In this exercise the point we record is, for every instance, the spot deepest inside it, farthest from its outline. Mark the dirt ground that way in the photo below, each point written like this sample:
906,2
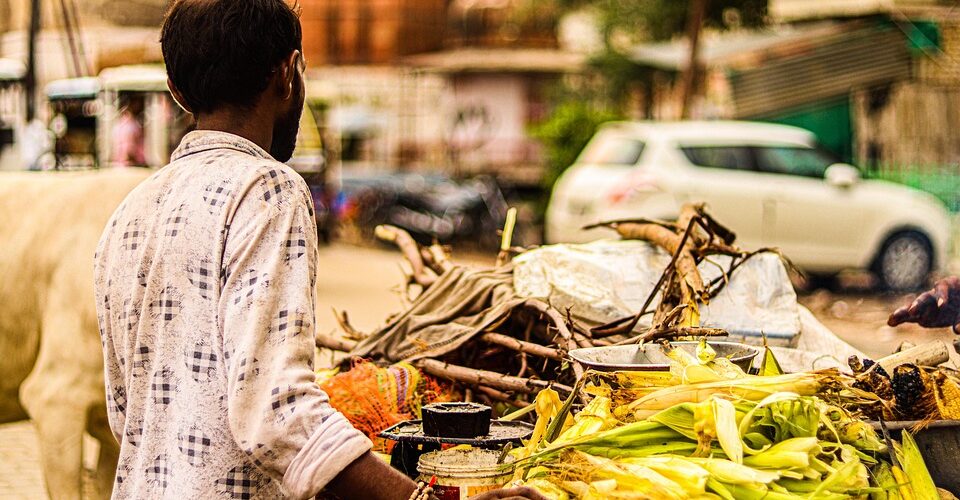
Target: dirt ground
860,318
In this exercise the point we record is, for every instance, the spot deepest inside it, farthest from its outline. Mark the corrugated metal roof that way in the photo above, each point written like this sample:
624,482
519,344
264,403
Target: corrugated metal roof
826,68
719,49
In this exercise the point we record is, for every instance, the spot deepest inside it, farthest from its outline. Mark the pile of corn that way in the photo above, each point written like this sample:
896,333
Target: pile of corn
707,430
912,392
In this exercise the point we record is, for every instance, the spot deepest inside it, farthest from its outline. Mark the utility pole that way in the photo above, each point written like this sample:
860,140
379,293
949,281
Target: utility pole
698,10
30,79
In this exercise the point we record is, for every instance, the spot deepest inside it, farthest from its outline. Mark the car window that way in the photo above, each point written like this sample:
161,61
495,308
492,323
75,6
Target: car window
792,160
612,150
729,157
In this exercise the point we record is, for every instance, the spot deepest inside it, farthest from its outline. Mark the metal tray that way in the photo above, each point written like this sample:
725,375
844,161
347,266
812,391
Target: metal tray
650,357
500,434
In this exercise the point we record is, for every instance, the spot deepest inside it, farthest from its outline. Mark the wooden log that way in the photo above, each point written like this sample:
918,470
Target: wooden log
486,378
926,354
502,397
324,341
669,240
519,345
411,251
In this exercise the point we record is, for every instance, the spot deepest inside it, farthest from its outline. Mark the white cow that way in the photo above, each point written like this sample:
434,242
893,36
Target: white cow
51,363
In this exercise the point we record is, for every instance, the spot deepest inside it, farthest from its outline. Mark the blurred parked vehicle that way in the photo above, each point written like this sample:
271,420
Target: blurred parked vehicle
163,122
85,111
771,183
430,207
74,109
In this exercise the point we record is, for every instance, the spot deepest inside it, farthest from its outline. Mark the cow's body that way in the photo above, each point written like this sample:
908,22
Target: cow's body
52,363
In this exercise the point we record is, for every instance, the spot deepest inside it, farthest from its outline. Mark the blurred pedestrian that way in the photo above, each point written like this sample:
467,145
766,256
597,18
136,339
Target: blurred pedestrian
127,135
205,276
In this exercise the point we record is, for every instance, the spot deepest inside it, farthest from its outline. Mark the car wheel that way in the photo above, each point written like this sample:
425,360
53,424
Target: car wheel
905,261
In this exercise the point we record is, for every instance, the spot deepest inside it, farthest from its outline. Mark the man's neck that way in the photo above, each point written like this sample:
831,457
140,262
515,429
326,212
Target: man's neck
244,123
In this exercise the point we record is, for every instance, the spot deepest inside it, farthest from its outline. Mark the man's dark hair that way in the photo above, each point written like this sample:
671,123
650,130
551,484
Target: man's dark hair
224,51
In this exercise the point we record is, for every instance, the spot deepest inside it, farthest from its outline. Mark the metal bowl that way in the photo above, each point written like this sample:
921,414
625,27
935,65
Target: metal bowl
650,357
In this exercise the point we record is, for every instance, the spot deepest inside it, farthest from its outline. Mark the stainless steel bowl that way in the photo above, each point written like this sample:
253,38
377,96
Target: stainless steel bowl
650,357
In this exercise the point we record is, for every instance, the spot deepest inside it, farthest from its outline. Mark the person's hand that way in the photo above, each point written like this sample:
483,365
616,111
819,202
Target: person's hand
937,308
511,494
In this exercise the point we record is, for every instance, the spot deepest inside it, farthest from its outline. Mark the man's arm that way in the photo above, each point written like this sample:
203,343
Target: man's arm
277,413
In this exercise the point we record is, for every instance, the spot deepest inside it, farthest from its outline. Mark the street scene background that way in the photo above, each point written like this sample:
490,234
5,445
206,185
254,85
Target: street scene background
438,115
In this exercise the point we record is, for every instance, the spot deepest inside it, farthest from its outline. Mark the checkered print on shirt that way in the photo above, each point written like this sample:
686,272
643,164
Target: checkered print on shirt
130,316
274,182
216,196
240,482
194,444
248,284
159,471
163,386
168,305
141,361
287,325
117,400
284,402
259,454
201,276
248,369
175,222
133,236
295,245
201,361
134,431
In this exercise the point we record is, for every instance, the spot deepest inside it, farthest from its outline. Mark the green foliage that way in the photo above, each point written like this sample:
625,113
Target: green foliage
943,182
663,19
565,133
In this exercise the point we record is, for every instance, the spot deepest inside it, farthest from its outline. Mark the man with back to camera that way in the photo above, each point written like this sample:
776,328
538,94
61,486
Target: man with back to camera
205,285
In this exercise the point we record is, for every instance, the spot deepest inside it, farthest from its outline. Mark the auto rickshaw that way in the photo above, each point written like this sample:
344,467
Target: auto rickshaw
74,107
138,94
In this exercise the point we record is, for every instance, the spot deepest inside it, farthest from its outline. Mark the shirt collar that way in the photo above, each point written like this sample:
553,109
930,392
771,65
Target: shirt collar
207,140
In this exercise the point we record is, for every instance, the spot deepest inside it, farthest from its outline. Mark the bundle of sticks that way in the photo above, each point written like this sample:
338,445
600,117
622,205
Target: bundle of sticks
525,351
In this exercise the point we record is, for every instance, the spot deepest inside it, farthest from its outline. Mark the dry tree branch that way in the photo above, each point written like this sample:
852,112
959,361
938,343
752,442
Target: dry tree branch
325,341
521,346
486,378
411,251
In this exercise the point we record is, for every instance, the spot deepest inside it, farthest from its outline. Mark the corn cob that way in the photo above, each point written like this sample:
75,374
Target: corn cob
914,391
947,392
750,388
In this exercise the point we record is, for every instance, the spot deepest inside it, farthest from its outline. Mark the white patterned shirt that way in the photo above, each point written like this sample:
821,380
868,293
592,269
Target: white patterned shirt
205,297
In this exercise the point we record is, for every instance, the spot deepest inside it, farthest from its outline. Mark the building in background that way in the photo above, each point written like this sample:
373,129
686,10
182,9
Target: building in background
435,84
878,82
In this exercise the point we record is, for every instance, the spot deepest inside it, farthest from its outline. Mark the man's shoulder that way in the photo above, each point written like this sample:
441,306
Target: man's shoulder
274,183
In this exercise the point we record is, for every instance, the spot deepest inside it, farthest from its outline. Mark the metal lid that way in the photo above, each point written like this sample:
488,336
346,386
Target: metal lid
501,433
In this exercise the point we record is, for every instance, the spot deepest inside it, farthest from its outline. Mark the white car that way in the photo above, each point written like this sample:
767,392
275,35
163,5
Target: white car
770,183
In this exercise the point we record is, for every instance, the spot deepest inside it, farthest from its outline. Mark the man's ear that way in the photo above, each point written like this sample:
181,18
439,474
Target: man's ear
177,96
287,72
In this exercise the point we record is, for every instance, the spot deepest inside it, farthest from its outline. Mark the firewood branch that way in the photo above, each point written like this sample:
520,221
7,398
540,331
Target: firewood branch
499,381
519,345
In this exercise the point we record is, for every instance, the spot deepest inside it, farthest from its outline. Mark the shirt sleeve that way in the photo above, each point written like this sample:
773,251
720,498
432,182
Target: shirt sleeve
277,413
112,374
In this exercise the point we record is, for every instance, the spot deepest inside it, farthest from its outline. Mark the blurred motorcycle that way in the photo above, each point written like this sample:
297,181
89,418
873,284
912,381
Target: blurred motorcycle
430,207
